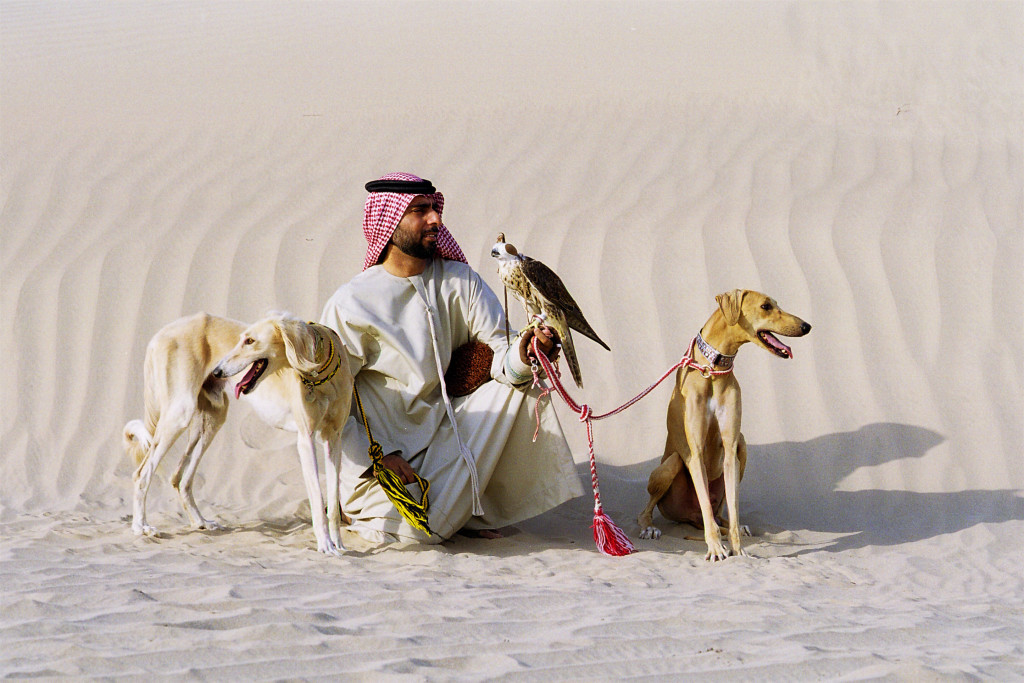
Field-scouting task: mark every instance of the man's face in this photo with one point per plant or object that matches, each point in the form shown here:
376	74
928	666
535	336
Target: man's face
416	234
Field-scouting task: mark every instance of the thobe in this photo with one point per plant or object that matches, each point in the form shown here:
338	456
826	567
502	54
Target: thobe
484	469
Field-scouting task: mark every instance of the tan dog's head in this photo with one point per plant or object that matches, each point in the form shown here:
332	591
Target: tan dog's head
757	318
266	346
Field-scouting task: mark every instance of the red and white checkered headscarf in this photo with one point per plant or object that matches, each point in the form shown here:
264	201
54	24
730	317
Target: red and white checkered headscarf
384	211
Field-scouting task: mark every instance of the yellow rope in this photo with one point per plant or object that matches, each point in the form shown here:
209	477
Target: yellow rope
415	512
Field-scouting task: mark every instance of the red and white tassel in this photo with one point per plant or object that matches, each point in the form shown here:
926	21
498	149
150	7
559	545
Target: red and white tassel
610	539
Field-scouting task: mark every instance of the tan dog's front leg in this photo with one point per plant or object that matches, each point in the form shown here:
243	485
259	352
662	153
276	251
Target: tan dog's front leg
712	535
741	460
657	485
730	468
696	433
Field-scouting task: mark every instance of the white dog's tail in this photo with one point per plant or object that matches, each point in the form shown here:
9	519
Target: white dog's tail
137	441
138	434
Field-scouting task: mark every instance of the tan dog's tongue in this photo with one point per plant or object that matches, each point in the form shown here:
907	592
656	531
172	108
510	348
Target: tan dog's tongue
770	338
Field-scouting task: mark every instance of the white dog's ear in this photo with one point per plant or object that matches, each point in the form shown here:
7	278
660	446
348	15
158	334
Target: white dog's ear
299	344
730	303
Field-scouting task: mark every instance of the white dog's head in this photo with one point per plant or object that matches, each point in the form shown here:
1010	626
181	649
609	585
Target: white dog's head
267	346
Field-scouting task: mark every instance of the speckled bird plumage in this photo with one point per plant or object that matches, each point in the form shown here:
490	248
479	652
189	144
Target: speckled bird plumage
542	292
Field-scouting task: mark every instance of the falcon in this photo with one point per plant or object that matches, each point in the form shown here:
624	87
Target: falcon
543	293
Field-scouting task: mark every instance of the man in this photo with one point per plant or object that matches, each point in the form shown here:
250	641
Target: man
415	302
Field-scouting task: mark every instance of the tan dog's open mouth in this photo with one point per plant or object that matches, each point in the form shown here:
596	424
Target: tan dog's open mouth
248	382
774	345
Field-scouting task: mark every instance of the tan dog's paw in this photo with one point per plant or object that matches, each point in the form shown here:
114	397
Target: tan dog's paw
716	552
651	532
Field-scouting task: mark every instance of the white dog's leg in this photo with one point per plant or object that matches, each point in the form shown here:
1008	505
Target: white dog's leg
140	487
167	431
201	432
307	458
332	472
195	431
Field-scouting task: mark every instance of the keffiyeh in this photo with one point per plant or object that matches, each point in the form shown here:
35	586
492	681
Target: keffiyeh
390	195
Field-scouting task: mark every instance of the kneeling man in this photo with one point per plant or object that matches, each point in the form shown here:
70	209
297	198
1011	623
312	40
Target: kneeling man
416	301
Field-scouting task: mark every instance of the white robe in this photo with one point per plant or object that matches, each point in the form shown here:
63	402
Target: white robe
397	331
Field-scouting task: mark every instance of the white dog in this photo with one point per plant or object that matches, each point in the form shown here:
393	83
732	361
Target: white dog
304	384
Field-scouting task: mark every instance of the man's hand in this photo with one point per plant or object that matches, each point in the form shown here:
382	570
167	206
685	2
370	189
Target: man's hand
398	465
547	340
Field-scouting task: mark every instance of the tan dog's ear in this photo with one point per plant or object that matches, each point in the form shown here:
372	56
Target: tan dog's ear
299	344
730	303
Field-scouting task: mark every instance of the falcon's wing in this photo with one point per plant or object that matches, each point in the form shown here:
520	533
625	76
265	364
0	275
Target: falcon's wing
550	286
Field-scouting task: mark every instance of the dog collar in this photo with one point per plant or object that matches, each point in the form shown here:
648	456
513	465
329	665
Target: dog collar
714	356
327	363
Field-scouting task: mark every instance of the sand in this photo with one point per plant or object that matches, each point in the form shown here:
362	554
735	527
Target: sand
860	162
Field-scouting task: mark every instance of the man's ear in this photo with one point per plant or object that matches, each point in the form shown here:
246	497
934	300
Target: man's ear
730	303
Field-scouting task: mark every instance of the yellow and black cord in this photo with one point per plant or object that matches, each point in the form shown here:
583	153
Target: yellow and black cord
414	511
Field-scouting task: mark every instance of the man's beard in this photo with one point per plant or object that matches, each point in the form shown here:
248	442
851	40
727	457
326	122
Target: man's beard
413	248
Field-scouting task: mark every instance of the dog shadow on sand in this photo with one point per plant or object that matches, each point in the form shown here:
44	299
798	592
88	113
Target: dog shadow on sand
794	485
789	486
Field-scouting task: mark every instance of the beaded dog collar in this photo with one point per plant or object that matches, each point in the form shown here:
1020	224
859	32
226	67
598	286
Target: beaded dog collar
714	357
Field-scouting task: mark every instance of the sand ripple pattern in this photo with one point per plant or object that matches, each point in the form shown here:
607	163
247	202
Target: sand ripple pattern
902	249
860	162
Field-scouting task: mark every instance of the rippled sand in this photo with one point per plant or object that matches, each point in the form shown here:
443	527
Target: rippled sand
861	163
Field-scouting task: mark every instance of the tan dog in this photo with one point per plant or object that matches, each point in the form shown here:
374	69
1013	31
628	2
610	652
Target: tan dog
304	384
705	446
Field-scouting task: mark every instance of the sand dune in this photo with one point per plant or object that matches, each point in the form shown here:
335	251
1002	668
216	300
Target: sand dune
861	163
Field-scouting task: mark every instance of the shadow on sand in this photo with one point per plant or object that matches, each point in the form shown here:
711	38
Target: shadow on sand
792	485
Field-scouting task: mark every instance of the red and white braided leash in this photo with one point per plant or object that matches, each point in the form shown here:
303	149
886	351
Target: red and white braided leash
610	539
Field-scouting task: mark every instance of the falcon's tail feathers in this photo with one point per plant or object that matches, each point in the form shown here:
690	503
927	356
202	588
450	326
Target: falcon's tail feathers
584	328
569	351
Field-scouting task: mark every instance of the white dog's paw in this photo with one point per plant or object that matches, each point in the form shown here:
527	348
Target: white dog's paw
144	530
652	532
209	525
334	532
328	547
745	530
